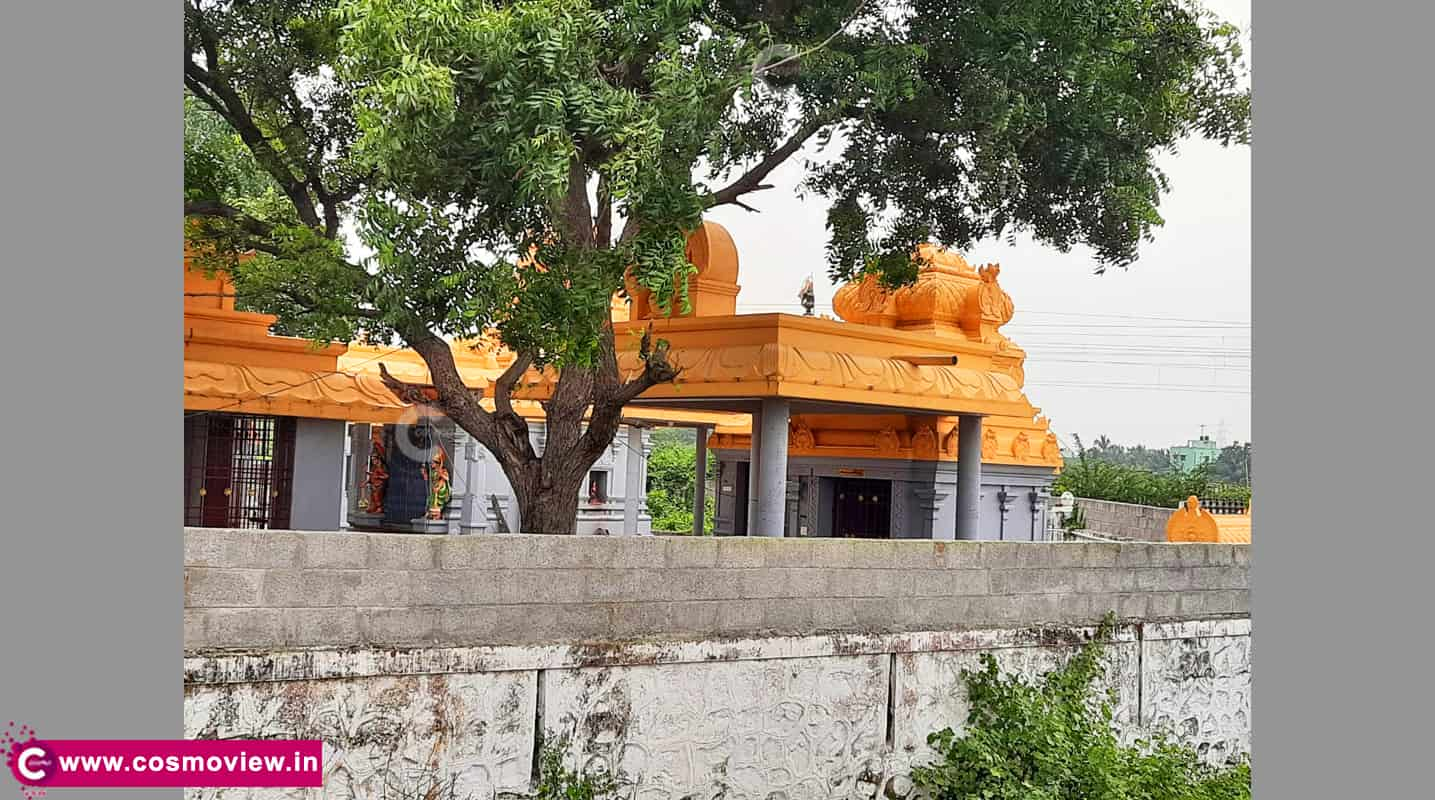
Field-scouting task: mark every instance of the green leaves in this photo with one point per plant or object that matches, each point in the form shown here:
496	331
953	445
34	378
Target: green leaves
467	138
1052	738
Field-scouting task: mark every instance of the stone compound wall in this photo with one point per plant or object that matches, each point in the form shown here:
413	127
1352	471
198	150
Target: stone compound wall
699	668
1125	520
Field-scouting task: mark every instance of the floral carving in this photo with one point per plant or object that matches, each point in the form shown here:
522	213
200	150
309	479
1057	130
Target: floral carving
1050	448
800	436
949	442
989	443
888	443
1021	446
924	445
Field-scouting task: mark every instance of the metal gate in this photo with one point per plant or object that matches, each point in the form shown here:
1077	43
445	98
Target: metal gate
238	470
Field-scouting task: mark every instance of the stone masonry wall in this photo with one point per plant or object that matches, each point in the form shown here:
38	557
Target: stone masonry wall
1125	520
694	668
265	589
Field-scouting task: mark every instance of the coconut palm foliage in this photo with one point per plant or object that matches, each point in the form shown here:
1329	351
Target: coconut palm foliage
464	141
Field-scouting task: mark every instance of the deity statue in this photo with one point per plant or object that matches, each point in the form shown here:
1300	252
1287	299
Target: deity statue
806	296
439	490
377	481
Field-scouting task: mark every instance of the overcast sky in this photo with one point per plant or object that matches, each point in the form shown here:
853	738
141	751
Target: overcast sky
1144	355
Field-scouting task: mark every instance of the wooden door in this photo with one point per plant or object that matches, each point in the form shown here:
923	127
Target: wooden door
863	509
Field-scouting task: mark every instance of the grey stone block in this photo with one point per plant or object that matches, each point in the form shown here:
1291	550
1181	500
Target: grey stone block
235	628
932	613
713	584
874	613
741	552
467	626
207	587
403	551
788	615
382	588
335	550
549	623
1220	555
193	628
1166	554
1032	581
693	617
451	587
204	548
398	627
321	627
1165	605
739	617
1135	554
611	585
962	555
759	584
789	553
1164	579
864	582
273	549
1066	555
633	620
831	553
945	582
1102	554
553	585
912	554
834	614
1133	606
683	552
1227	601
492	551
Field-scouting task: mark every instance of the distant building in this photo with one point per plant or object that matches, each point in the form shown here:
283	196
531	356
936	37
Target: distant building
1202	450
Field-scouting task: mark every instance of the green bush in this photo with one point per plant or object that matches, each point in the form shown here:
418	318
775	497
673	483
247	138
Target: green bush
671	481
557	782
1052	739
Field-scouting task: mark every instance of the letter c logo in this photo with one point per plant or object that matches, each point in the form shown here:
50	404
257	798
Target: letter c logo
22	763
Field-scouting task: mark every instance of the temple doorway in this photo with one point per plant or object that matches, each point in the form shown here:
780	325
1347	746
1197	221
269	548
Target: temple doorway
862	509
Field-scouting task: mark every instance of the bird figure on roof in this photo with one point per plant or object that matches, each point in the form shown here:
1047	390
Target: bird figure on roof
807	297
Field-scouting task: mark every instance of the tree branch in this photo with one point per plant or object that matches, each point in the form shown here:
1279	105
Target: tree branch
226	102
253	226
504	383
751	180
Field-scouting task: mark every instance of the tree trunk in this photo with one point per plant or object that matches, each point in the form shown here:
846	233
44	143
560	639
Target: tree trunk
550	509
547	487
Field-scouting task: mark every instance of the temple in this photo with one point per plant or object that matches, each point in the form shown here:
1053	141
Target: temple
903	418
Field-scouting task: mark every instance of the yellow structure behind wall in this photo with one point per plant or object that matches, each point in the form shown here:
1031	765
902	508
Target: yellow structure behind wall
1191	523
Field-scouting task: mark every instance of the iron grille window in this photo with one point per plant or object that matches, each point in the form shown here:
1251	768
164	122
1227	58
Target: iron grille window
238	470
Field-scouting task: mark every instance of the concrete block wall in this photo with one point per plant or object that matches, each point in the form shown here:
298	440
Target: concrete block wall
268	589
1125	520
693	667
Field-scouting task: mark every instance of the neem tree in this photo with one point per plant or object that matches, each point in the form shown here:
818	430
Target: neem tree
468	140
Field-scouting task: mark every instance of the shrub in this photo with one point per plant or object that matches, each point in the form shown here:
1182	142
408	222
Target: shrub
1052	739
557	782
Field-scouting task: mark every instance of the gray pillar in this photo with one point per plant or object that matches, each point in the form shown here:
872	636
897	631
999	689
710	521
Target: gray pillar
772	470
969	476
754	458
633	480
700	489
474	517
